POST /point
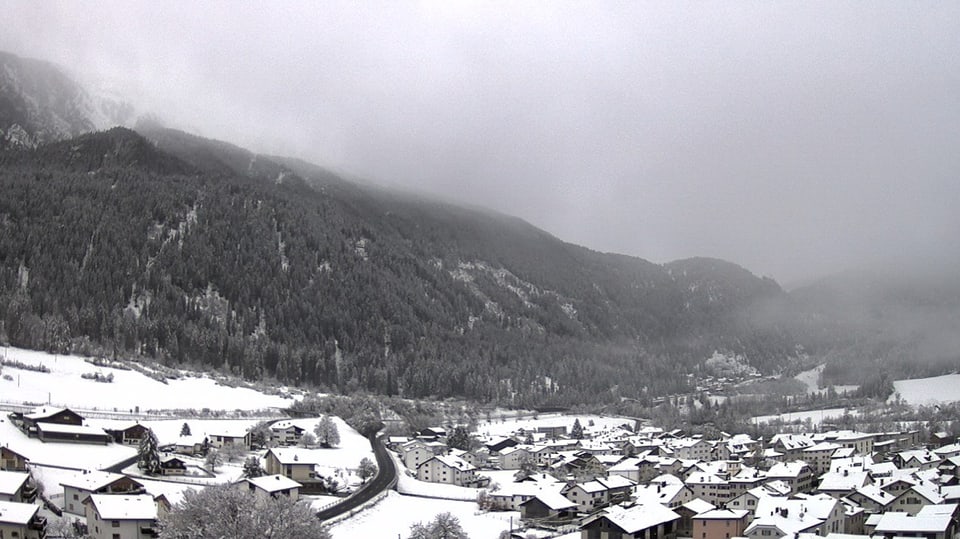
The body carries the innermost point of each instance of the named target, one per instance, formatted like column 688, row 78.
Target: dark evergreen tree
column 185, row 430
column 148, row 454
column 459, row 438
column 577, row 431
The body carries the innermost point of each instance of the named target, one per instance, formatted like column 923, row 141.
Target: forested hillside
column 188, row 250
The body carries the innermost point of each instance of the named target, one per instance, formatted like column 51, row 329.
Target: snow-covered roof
column 636, row 518
column 843, row 481
column 44, row 412
column 10, row 482
column 552, row 499
column 876, row 494
column 119, row 507
column 17, row 513
column 273, row 483
column 71, row 429
column 454, row 462
column 723, row 514
column 827, row 447
column 787, row 469
column 699, row 506
column 92, row 480
column 894, row 522
column 297, row 455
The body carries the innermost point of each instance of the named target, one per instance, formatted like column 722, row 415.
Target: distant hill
column 163, row 244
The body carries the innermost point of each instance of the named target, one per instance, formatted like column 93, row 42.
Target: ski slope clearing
column 928, row 391
column 395, row 514
column 129, row 391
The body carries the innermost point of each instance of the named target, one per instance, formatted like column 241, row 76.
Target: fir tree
column 185, row 430
column 148, row 454
column 577, row 431
column 252, row 467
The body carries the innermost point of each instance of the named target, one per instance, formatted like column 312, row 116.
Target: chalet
column 130, row 435
column 12, row 461
column 637, row 522
column 84, row 484
column 57, row 416
column 22, row 520
column 173, row 466
column 273, row 486
column 450, row 470
column 128, row 516
column 720, row 524
column 17, row 487
column 432, row 433
column 286, row 433
column 548, row 506
column 600, row 492
column 292, row 462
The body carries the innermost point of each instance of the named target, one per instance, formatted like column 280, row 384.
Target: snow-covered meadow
column 593, row 423
column 928, row 391
column 129, row 391
column 814, row 416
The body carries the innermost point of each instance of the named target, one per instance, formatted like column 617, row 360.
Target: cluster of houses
column 652, row 484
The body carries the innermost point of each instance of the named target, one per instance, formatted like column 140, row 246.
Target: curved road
column 386, row 478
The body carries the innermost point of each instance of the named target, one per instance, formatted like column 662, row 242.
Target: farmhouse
column 129, row 435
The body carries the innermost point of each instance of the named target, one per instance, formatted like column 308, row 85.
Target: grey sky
column 791, row 138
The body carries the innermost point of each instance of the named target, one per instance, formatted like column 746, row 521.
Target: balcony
column 39, row 525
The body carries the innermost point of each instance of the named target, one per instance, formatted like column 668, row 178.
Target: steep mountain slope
column 39, row 103
column 193, row 250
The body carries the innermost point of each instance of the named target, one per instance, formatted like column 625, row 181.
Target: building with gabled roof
column 22, row 520
column 600, row 492
column 841, row 483
column 82, row 485
column 637, row 522
column 797, row 474
column 111, row 516
column 272, row 486
column 548, row 507
column 667, row 490
column 12, row 461
column 872, row 498
column 778, row 517
column 17, row 487
column 448, row 469
column 720, row 523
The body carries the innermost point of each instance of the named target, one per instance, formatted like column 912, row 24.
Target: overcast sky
column 794, row 139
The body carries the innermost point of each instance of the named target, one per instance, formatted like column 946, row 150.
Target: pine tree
column 148, row 454
column 185, row 430
column 459, row 439
column 577, row 431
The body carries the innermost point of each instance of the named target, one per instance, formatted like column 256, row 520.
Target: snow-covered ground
column 408, row 484
column 130, row 390
column 394, row 515
column 811, row 378
column 928, row 391
column 80, row 456
column 815, row 416
column 496, row 427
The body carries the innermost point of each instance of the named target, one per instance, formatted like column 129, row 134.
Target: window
column 115, row 523
column 116, row 536
column 76, row 497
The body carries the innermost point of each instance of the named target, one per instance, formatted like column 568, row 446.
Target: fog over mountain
column 795, row 139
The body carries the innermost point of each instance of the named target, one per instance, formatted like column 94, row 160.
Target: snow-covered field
column 811, row 377
column 815, row 416
column 80, row 456
column 394, row 515
column 928, row 391
column 130, row 390
column 496, row 427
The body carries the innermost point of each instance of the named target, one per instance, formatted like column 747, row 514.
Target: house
column 667, row 490
column 130, row 435
column 273, row 486
column 416, row 452
column 450, row 470
column 918, row 458
column 191, row 444
column 936, row 523
column 842, row 483
column 499, row 444
column 818, row 456
column 720, row 524
column 791, row 446
column 696, row 506
column 690, row 449
column 45, row 414
column 512, row 457
column 548, row 506
column 709, row 487
column 84, row 484
column 17, row 487
column 510, row 495
column 637, row 522
column 628, row 467
column 554, row 432
column 797, row 474
column 292, row 462
column 598, row 493
column 12, row 461
column 286, row 433
column 237, row 436
column 173, row 466
column 432, row 433
column 22, row 520
column 777, row 517
column 872, row 499
column 110, row 516
column 913, row 499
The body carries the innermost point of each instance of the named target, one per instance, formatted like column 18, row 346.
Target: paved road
column 386, row 478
